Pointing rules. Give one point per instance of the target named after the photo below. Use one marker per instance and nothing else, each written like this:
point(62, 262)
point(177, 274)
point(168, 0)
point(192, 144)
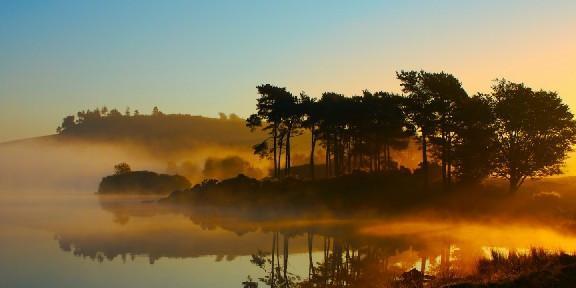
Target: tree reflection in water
point(339, 252)
point(352, 263)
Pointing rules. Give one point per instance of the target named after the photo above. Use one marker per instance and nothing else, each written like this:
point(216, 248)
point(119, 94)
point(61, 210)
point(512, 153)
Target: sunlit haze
point(287, 144)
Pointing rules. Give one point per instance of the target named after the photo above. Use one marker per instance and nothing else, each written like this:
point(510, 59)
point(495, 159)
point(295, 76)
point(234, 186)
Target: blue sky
point(205, 57)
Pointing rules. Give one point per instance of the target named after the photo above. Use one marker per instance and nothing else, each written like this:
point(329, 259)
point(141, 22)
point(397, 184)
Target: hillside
point(159, 132)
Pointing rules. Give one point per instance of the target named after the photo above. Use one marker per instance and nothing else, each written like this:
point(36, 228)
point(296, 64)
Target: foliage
point(514, 132)
point(537, 268)
point(121, 168)
point(534, 132)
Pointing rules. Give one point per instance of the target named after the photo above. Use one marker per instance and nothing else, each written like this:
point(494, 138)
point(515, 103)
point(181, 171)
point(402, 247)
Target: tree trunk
point(278, 252)
point(310, 262)
point(272, 272)
point(449, 173)
point(287, 164)
point(425, 159)
point(350, 156)
point(312, 148)
point(275, 144)
point(280, 145)
point(515, 183)
point(424, 153)
point(449, 161)
point(285, 258)
point(378, 167)
point(444, 164)
point(336, 154)
point(327, 157)
point(388, 158)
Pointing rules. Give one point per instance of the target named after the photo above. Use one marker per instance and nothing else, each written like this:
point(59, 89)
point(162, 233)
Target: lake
point(56, 232)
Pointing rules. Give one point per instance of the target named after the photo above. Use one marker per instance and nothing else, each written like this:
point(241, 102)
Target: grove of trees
point(514, 132)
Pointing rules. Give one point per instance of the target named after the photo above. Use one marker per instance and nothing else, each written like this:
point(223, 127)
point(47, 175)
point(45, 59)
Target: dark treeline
point(71, 123)
point(92, 121)
point(514, 132)
point(166, 136)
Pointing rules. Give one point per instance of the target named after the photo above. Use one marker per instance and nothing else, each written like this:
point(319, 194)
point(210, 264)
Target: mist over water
point(56, 232)
point(48, 206)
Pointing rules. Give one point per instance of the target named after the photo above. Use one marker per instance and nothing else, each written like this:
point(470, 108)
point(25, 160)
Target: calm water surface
point(72, 239)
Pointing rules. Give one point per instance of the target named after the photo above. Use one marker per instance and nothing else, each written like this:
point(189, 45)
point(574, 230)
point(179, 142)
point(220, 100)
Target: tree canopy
point(513, 133)
point(534, 132)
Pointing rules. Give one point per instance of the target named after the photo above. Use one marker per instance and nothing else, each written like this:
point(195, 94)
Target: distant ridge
point(160, 134)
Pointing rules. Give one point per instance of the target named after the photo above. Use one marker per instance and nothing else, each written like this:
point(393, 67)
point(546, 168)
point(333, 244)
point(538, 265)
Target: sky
point(205, 57)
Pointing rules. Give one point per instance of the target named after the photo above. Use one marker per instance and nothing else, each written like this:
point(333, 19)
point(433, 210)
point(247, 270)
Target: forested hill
point(158, 130)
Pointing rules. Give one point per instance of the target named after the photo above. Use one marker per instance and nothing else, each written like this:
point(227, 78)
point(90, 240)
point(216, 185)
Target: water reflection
point(337, 252)
point(363, 250)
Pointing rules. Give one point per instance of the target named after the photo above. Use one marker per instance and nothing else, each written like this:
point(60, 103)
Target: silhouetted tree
point(114, 113)
point(291, 118)
point(311, 119)
point(67, 123)
point(447, 96)
point(122, 168)
point(261, 149)
point(474, 141)
point(156, 111)
point(351, 129)
point(334, 110)
point(389, 127)
point(433, 100)
point(420, 107)
point(534, 132)
point(272, 109)
point(460, 132)
point(88, 115)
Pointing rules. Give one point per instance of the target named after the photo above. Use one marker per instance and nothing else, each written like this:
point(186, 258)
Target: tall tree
point(291, 119)
point(433, 99)
point(271, 106)
point(311, 118)
point(383, 126)
point(334, 110)
point(447, 96)
point(420, 107)
point(474, 142)
point(534, 132)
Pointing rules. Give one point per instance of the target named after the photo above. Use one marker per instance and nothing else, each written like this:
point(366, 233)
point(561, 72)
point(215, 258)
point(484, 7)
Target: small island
point(126, 181)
